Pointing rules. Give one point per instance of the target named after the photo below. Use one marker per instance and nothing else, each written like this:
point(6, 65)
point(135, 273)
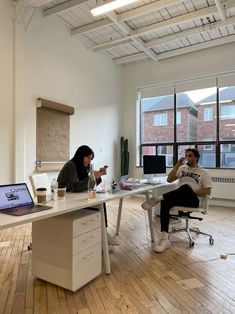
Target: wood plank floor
point(180, 280)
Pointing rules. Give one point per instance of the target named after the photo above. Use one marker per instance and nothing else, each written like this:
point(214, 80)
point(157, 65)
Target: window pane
point(178, 117)
point(157, 119)
point(207, 114)
point(160, 119)
point(227, 155)
point(187, 130)
point(227, 113)
point(161, 150)
point(207, 157)
point(181, 150)
point(198, 110)
point(148, 150)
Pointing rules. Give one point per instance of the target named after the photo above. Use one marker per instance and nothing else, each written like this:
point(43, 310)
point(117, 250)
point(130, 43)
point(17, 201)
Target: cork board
point(52, 140)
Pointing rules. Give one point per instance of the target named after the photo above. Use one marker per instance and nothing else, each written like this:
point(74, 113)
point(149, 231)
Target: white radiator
point(223, 188)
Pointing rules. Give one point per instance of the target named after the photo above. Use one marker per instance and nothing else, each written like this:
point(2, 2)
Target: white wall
point(49, 63)
point(136, 75)
point(59, 68)
point(6, 88)
point(206, 62)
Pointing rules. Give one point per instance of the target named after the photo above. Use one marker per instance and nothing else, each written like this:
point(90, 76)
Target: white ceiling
point(155, 29)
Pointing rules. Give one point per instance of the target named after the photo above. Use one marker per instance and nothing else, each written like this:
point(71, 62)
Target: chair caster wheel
point(211, 241)
point(30, 247)
point(191, 244)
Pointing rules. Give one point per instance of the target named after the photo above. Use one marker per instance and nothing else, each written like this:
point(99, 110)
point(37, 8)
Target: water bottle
point(54, 187)
point(91, 186)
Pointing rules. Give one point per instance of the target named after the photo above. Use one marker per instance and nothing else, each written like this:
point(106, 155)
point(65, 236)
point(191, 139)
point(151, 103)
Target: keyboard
point(24, 210)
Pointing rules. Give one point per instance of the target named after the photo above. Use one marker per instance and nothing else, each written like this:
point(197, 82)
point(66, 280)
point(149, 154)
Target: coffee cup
point(61, 193)
point(41, 194)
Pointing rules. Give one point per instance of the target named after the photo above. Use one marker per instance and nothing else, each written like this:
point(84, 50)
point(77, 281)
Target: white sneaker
point(112, 240)
point(151, 203)
point(164, 243)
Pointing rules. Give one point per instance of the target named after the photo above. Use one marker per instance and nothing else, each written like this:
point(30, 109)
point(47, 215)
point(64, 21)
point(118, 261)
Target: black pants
point(183, 196)
point(105, 213)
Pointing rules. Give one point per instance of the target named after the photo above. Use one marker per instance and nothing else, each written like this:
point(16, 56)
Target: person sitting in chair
point(194, 182)
point(75, 173)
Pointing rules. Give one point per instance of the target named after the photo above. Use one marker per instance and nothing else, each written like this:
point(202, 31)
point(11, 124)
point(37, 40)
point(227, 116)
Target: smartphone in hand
point(103, 169)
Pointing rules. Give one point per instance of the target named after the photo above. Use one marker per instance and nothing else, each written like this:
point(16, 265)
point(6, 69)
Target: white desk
point(157, 190)
point(78, 201)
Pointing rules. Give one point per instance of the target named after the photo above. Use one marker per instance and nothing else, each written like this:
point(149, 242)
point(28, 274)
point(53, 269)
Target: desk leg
point(105, 247)
point(119, 215)
point(150, 217)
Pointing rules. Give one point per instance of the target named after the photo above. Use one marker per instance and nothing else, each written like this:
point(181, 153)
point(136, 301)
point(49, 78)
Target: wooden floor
point(180, 280)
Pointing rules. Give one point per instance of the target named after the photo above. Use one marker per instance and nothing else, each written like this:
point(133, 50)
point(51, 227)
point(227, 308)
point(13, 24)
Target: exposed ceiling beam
point(90, 27)
point(147, 8)
point(127, 30)
point(131, 14)
point(188, 32)
point(31, 3)
point(220, 10)
point(180, 51)
point(176, 20)
point(209, 44)
point(63, 6)
point(131, 58)
point(149, 52)
point(157, 26)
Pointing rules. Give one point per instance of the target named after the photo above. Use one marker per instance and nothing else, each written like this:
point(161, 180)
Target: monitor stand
point(155, 178)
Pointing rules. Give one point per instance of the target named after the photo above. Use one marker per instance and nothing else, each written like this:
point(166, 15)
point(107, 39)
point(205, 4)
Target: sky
point(199, 94)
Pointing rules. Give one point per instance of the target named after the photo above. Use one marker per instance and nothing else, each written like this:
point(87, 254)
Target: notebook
point(16, 200)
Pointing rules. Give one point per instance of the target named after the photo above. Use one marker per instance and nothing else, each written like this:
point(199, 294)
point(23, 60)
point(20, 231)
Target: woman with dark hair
point(75, 173)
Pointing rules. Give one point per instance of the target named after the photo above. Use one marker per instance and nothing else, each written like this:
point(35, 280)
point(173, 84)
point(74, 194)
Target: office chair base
point(189, 230)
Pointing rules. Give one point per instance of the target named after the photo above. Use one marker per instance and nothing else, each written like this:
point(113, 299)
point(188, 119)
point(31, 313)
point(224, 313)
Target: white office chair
point(185, 213)
point(40, 180)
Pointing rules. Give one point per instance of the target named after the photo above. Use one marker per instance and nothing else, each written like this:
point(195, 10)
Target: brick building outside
point(195, 122)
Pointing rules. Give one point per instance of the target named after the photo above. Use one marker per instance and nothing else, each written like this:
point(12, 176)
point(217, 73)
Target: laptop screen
point(14, 195)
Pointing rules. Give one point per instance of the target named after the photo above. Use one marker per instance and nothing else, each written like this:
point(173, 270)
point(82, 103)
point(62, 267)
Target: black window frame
point(217, 142)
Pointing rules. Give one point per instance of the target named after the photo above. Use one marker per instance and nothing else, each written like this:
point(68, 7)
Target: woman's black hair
point(195, 152)
point(82, 151)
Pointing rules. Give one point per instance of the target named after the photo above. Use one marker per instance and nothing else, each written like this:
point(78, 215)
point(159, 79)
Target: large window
point(202, 118)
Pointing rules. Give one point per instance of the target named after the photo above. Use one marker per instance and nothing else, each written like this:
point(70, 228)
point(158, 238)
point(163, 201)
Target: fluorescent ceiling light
point(109, 6)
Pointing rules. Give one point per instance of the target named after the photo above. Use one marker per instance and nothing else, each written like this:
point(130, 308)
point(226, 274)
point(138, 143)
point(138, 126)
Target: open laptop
point(16, 200)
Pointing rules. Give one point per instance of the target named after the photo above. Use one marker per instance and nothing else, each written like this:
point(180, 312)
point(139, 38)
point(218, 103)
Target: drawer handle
point(88, 256)
point(88, 222)
point(88, 239)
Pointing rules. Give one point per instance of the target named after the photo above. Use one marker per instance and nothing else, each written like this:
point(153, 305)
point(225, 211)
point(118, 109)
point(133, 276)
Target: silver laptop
point(16, 200)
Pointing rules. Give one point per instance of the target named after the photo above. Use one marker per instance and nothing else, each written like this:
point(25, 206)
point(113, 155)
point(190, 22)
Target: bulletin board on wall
point(52, 135)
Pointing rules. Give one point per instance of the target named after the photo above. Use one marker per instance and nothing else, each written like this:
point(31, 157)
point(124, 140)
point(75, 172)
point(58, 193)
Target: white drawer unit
point(67, 249)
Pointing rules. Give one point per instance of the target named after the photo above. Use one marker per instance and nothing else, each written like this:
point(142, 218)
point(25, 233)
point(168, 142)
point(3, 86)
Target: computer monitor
point(154, 166)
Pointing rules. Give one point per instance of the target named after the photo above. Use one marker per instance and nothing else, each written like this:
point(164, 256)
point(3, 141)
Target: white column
point(19, 62)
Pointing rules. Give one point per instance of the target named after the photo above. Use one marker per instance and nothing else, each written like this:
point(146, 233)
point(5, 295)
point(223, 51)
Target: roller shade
point(155, 91)
point(195, 84)
point(226, 80)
